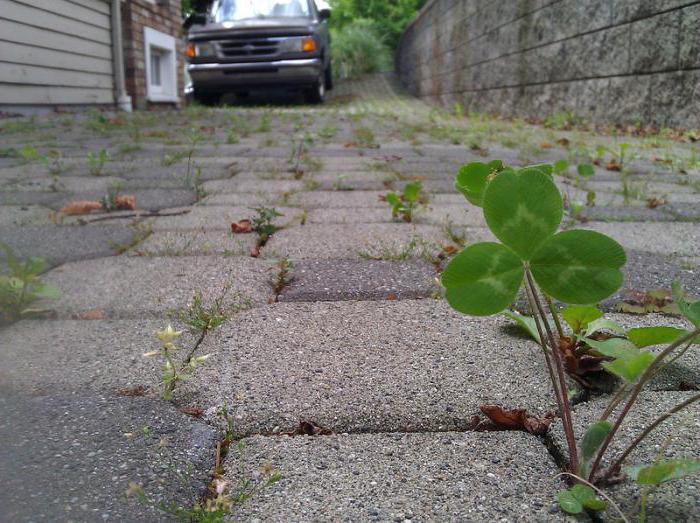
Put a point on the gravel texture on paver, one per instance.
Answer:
(195, 242)
(370, 367)
(221, 218)
(471, 476)
(71, 457)
(344, 280)
(386, 241)
(679, 437)
(626, 214)
(136, 287)
(681, 239)
(646, 271)
(684, 373)
(104, 356)
(62, 244)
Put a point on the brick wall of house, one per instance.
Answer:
(161, 15)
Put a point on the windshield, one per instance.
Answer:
(232, 10)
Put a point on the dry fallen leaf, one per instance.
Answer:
(192, 411)
(654, 202)
(255, 252)
(546, 145)
(613, 165)
(125, 203)
(95, 314)
(309, 428)
(242, 227)
(564, 142)
(136, 390)
(79, 207)
(392, 297)
(517, 419)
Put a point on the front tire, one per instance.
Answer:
(207, 99)
(317, 94)
(329, 77)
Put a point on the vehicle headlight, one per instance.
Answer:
(298, 44)
(203, 49)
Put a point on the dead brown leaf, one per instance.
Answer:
(91, 315)
(195, 412)
(613, 165)
(564, 142)
(125, 203)
(78, 207)
(309, 428)
(546, 145)
(654, 202)
(517, 419)
(255, 251)
(136, 390)
(242, 227)
(392, 297)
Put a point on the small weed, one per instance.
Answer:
(283, 275)
(21, 285)
(405, 204)
(364, 136)
(96, 161)
(263, 223)
(265, 124)
(456, 236)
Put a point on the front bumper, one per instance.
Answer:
(222, 76)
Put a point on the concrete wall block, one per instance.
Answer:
(689, 45)
(654, 43)
(628, 10)
(597, 58)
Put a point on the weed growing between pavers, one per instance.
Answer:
(21, 286)
(523, 209)
(200, 320)
(262, 224)
(96, 161)
(405, 204)
(221, 496)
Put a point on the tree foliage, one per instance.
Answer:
(387, 17)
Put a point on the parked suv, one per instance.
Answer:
(241, 45)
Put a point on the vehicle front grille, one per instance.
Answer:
(259, 47)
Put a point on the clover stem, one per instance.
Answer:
(619, 396)
(555, 315)
(543, 344)
(648, 373)
(566, 410)
(658, 421)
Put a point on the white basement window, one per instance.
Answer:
(161, 66)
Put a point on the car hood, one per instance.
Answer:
(271, 26)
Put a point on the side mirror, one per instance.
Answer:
(324, 14)
(195, 19)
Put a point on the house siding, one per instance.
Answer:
(55, 52)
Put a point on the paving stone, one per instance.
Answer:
(370, 367)
(64, 183)
(682, 239)
(19, 216)
(387, 241)
(645, 271)
(627, 214)
(203, 242)
(68, 457)
(683, 374)
(684, 211)
(146, 199)
(61, 244)
(499, 476)
(679, 437)
(341, 280)
(135, 287)
(241, 186)
(221, 217)
(249, 199)
(29, 198)
(103, 356)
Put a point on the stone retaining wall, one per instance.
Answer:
(617, 61)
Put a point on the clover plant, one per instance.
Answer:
(523, 208)
(405, 204)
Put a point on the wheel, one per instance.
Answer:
(205, 98)
(329, 77)
(317, 94)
